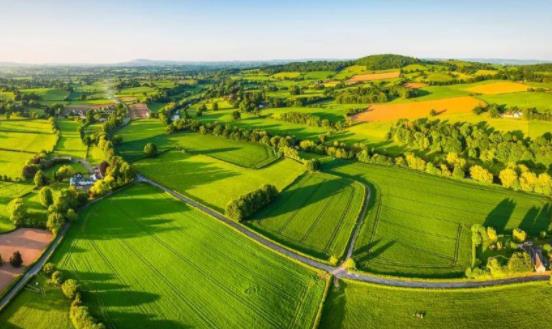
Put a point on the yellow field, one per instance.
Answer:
(286, 75)
(375, 76)
(501, 87)
(412, 110)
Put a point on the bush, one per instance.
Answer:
(82, 319)
(70, 288)
(349, 264)
(55, 221)
(46, 196)
(48, 268)
(150, 150)
(17, 211)
(57, 277)
(246, 205)
(520, 262)
(519, 235)
(312, 165)
(16, 260)
(65, 172)
(40, 179)
(236, 115)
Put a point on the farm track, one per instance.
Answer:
(337, 271)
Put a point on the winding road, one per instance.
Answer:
(339, 271)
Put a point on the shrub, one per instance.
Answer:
(481, 174)
(82, 319)
(519, 235)
(16, 260)
(520, 262)
(236, 115)
(46, 196)
(246, 205)
(150, 150)
(312, 165)
(48, 268)
(65, 172)
(349, 264)
(55, 221)
(17, 211)
(70, 288)
(57, 277)
(40, 179)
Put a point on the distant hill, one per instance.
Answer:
(386, 61)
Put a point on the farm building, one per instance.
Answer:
(83, 182)
(513, 115)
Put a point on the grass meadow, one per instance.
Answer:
(316, 214)
(70, 142)
(419, 225)
(139, 133)
(363, 305)
(212, 181)
(34, 309)
(150, 261)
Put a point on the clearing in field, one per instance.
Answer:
(212, 181)
(29, 242)
(286, 75)
(375, 76)
(539, 100)
(411, 110)
(316, 214)
(363, 305)
(139, 133)
(150, 261)
(501, 87)
(419, 225)
(70, 142)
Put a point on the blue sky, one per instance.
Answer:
(113, 31)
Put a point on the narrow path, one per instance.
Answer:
(360, 220)
(337, 271)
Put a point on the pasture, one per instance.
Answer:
(212, 181)
(150, 261)
(411, 110)
(419, 225)
(139, 133)
(363, 305)
(35, 309)
(316, 214)
(70, 142)
(540, 100)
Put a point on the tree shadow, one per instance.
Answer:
(372, 250)
(498, 217)
(537, 219)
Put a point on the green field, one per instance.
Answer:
(9, 191)
(213, 181)
(362, 305)
(35, 309)
(149, 261)
(70, 142)
(137, 134)
(539, 100)
(31, 136)
(316, 214)
(419, 225)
